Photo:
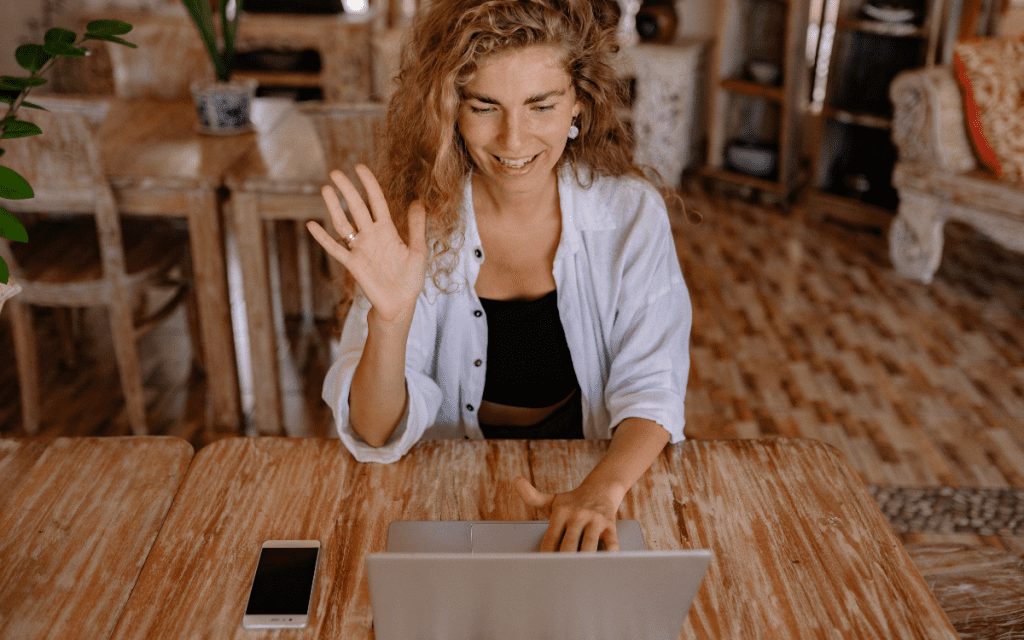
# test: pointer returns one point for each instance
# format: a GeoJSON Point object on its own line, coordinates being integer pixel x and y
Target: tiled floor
{"type": "Point", "coordinates": [801, 328]}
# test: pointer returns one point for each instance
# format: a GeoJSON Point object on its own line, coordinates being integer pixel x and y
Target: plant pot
{"type": "Point", "coordinates": [224, 108]}
{"type": "Point", "coordinates": [8, 291]}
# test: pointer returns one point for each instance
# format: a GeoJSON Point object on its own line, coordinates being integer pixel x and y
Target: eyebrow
{"type": "Point", "coordinates": [540, 97]}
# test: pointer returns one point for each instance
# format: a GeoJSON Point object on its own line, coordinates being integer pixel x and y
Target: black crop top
{"type": "Point", "coordinates": [528, 360]}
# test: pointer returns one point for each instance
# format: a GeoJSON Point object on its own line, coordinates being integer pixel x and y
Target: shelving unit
{"type": "Point", "coordinates": [764, 114]}
{"type": "Point", "coordinates": [853, 152]}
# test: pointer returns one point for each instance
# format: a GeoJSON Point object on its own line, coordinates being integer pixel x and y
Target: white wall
{"type": "Point", "coordinates": [696, 18]}
{"type": "Point", "coordinates": [31, 18]}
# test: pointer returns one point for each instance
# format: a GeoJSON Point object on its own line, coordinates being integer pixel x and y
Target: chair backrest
{"type": "Point", "coordinates": [348, 133]}
{"type": "Point", "coordinates": [65, 168]}
{"type": "Point", "coordinates": [169, 58]}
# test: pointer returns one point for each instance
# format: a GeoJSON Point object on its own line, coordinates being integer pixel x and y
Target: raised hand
{"type": "Point", "coordinates": [389, 271]}
{"type": "Point", "coordinates": [579, 519]}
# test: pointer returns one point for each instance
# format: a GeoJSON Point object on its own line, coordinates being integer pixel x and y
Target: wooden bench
{"type": "Point", "coordinates": [938, 177]}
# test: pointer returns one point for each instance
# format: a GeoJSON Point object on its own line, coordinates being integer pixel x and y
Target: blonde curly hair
{"type": "Point", "coordinates": [423, 155]}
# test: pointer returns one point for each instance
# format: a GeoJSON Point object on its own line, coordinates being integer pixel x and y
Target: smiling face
{"type": "Point", "coordinates": [515, 116]}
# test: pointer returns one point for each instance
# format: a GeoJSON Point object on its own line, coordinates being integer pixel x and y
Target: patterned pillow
{"type": "Point", "coordinates": [991, 76]}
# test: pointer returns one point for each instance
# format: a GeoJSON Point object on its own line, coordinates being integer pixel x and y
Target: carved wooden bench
{"type": "Point", "coordinates": [938, 177]}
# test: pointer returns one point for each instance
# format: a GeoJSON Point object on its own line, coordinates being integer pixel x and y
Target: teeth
{"type": "Point", "coordinates": [515, 164]}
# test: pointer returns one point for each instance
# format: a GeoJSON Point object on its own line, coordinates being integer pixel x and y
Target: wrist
{"type": "Point", "coordinates": [393, 326]}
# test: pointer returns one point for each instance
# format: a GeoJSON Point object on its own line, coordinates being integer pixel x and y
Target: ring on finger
{"type": "Point", "coordinates": [349, 238]}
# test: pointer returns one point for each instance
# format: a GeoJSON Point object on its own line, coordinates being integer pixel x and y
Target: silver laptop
{"type": "Point", "coordinates": [486, 580]}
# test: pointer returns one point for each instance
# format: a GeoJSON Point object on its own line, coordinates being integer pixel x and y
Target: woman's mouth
{"type": "Point", "coordinates": [515, 163]}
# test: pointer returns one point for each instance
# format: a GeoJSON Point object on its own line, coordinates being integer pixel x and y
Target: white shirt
{"type": "Point", "coordinates": [623, 304]}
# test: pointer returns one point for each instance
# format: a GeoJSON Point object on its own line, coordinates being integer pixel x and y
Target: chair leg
{"type": "Point", "coordinates": [26, 353]}
{"type": "Point", "coordinates": [66, 334]}
{"type": "Point", "coordinates": [126, 351]}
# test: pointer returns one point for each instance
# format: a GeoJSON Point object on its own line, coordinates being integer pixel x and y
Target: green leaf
{"type": "Point", "coordinates": [13, 186]}
{"type": "Point", "coordinates": [19, 129]}
{"type": "Point", "coordinates": [63, 49]}
{"type": "Point", "coordinates": [108, 28]}
{"type": "Point", "coordinates": [31, 57]}
{"type": "Point", "coordinates": [10, 98]}
{"type": "Point", "coordinates": [12, 83]}
{"type": "Point", "coordinates": [5, 274]}
{"type": "Point", "coordinates": [202, 16]}
{"type": "Point", "coordinates": [59, 36]}
{"type": "Point", "coordinates": [11, 228]}
{"type": "Point", "coordinates": [97, 36]}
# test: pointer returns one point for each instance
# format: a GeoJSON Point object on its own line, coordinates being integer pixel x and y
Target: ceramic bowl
{"type": "Point", "coordinates": [752, 158]}
{"type": "Point", "coordinates": [888, 13]}
{"type": "Point", "coordinates": [763, 71]}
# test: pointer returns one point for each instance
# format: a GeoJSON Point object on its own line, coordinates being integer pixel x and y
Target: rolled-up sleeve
{"type": "Point", "coordinates": [649, 345]}
{"type": "Point", "coordinates": [423, 392]}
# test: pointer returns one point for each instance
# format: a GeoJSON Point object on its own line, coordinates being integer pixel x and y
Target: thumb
{"type": "Point", "coordinates": [417, 227]}
{"type": "Point", "coordinates": [531, 495]}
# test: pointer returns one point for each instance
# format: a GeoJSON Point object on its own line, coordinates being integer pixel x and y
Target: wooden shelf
{"type": "Point", "coordinates": [755, 89]}
{"type": "Point", "coordinates": [298, 79]}
{"type": "Point", "coordinates": [890, 29]}
{"type": "Point", "coordinates": [849, 210]}
{"type": "Point", "coordinates": [858, 118]}
{"type": "Point", "coordinates": [737, 177]}
{"type": "Point", "coordinates": [739, 108]}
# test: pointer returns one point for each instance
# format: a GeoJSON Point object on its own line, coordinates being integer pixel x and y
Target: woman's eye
{"type": "Point", "coordinates": [544, 107]}
{"type": "Point", "coordinates": [473, 109]}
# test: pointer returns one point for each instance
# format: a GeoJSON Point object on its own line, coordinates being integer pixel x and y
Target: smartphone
{"type": "Point", "coordinates": [282, 587]}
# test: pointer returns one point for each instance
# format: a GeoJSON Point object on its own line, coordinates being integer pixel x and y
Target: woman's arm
{"type": "Point", "coordinates": [582, 517]}
{"type": "Point", "coordinates": [378, 397]}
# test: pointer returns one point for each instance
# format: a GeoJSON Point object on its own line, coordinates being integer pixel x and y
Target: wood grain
{"type": "Point", "coordinates": [800, 548]}
{"type": "Point", "coordinates": [78, 517]}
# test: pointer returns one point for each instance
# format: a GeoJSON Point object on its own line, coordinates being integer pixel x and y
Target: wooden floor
{"type": "Point", "coordinates": [801, 328]}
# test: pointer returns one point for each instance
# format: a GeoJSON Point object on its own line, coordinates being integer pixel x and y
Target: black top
{"type": "Point", "coordinates": [528, 360]}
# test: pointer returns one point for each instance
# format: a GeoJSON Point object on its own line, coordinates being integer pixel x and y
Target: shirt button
{"type": "Point", "coordinates": [477, 363]}
{"type": "Point", "coordinates": [469, 407]}
{"type": "Point", "coordinates": [478, 313]}
{"type": "Point", "coordinates": [478, 253]}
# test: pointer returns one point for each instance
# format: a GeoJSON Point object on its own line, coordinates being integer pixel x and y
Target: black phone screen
{"type": "Point", "coordinates": [283, 582]}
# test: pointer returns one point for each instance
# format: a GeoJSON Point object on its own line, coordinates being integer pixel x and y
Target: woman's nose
{"type": "Point", "coordinates": [511, 131]}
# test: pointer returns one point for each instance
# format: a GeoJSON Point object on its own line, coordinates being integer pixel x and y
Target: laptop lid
{"type": "Point", "coordinates": [453, 594]}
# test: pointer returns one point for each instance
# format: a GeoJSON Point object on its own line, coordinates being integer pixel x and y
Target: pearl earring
{"type": "Point", "coordinates": [574, 131]}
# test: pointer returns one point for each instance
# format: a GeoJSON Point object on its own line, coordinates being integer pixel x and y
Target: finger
{"type": "Point", "coordinates": [418, 228]}
{"type": "Point", "coordinates": [571, 537]}
{"type": "Point", "coordinates": [610, 537]}
{"type": "Point", "coordinates": [553, 535]}
{"type": "Point", "coordinates": [338, 217]}
{"type": "Point", "coordinates": [356, 206]}
{"type": "Point", "coordinates": [324, 239]}
{"type": "Point", "coordinates": [530, 494]}
{"type": "Point", "coordinates": [374, 194]}
{"type": "Point", "coordinates": [591, 537]}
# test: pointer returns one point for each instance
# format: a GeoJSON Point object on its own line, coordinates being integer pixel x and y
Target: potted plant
{"type": "Point", "coordinates": [36, 59]}
{"type": "Point", "coordinates": [223, 105]}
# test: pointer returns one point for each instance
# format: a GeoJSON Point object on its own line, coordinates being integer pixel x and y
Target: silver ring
{"type": "Point", "coordinates": [349, 238]}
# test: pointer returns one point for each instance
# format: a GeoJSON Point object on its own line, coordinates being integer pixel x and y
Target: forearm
{"type": "Point", "coordinates": [378, 398]}
{"type": "Point", "coordinates": [635, 445]}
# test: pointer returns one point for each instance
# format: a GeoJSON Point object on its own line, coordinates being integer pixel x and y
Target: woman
{"type": "Point", "coordinates": [549, 300]}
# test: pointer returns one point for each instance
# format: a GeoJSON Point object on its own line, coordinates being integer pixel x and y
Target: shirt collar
{"type": "Point", "coordinates": [568, 197]}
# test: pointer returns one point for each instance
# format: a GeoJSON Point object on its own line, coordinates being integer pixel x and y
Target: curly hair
{"type": "Point", "coordinates": [423, 155]}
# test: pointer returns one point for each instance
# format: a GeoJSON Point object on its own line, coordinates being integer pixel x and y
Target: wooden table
{"type": "Point", "coordinates": [800, 549]}
{"type": "Point", "coordinates": [279, 179]}
{"type": "Point", "coordinates": [78, 517]}
{"type": "Point", "coordinates": [158, 164]}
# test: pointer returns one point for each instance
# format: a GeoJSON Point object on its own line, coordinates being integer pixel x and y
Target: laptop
{"type": "Point", "coordinates": [459, 580]}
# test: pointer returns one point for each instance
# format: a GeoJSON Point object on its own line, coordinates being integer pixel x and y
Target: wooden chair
{"type": "Point", "coordinates": [169, 58]}
{"type": "Point", "coordinates": [85, 261]}
{"type": "Point", "coordinates": [349, 134]}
